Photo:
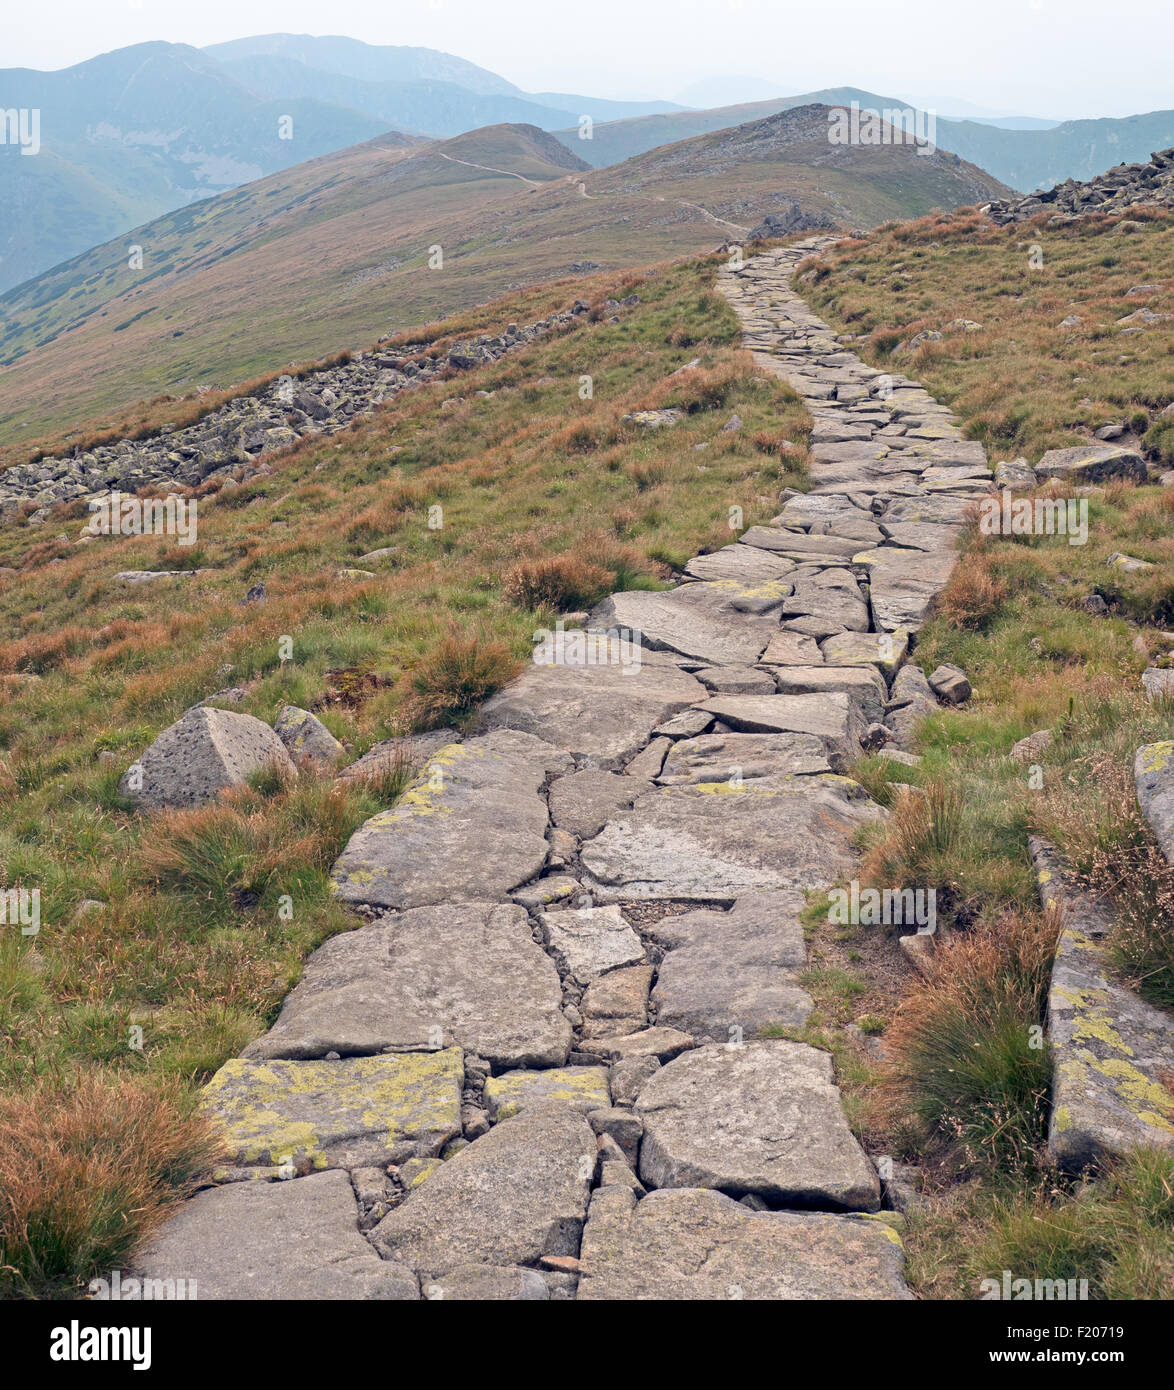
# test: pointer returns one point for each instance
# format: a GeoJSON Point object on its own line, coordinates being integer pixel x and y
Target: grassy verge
{"type": "Point", "coordinates": [168, 941]}
{"type": "Point", "coordinates": [959, 1082]}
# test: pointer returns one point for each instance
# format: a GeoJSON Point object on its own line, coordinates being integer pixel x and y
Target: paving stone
{"type": "Point", "coordinates": [714, 843]}
{"type": "Point", "coordinates": [589, 941]}
{"type": "Point", "coordinates": [843, 609]}
{"type": "Point", "coordinates": [346, 1113]}
{"type": "Point", "coordinates": [647, 763]}
{"type": "Point", "coordinates": [687, 1244]}
{"type": "Point", "coordinates": [933, 537]}
{"type": "Point", "coordinates": [884, 650]}
{"type": "Point", "coordinates": [728, 975]}
{"type": "Point", "coordinates": [715, 758]}
{"type": "Point", "coordinates": [903, 584]}
{"type": "Point", "coordinates": [581, 1088]}
{"type": "Point", "coordinates": [583, 802]}
{"type": "Point", "coordinates": [661, 1043]}
{"type": "Point", "coordinates": [736, 680]}
{"type": "Point", "coordinates": [798, 545]}
{"type": "Point", "coordinates": [832, 718]}
{"type": "Point", "coordinates": [274, 1241]}
{"type": "Point", "coordinates": [604, 711]}
{"type": "Point", "coordinates": [761, 1118]}
{"type": "Point", "coordinates": [487, 793]}
{"type": "Point", "coordinates": [949, 683]}
{"type": "Point", "coordinates": [791, 649]}
{"type": "Point", "coordinates": [515, 1194]}
{"type": "Point", "coordinates": [469, 973]}
{"type": "Point", "coordinates": [742, 563]}
{"type": "Point", "coordinates": [864, 685]}
{"type": "Point", "coordinates": [680, 622]}
{"type": "Point", "coordinates": [620, 994]}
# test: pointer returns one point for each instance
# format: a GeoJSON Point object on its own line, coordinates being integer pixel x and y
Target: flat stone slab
{"type": "Point", "coordinates": [469, 973]}
{"type": "Point", "coordinates": [196, 758]}
{"type": "Point", "coordinates": [358, 1112]}
{"type": "Point", "coordinates": [884, 650]}
{"type": "Point", "coordinates": [1153, 772]}
{"type": "Point", "coordinates": [687, 1244]}
{"type": "Point", "coordinates": [761, 1118]}
{"type": "Point", "coordinates": [797, 545]}
{"type": "Point", "coordinates": [728, 975]}
{"type": "Point", "coordinates": [680, 621]}
{"type": "Point", "coordinates": [832, 718]}
{"type": "Point", "coordinates": [514, 1195]}
{"type": "Point", "coordinates": [581, 1088]}
{"type": "Point", "coordinates": [904, 583]}
{"type": "Point", "coordinates": [791, 649]}
{"type": "Point", "coordinates": [932, 537]}
{"type": "Point", "coordinates": [484, 793]}
{"type": "Point", "coordinates": [488, 1284]}
{"type": "Point", "coordinates": [618, 1001]}
{"type": "Point", "coordinates": [274, 1241]}
{"type": "Point", "coordinates": [714, 758]}
{"type": "Point", "coordinates": [839, 607]}
{"type": "Point", "coordinates": [603, 709]}
{"type": "Point", "coordinates": [583, 802]}
{"type": "Point", "coordinates": [742, 563]}
{"type": "Point", "coordinates": [864, 685]}
{"type": "Point", "coordinates": [1111, 1090]}
{"type": "Point", "coordinates": [714, 843]}
{"type": "Point", "coordinates": [937, 507]}
{"type": "Point", "coordinates": [589, 941]}
{"type": "Point", "coordinates": [1092, 463]}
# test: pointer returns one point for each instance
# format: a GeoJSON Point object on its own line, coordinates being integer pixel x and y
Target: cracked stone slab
{"type": "Point", "coordinates": [589, 941]}
{"type": "Point", "coordinates": [489, 1284]}
{"type": "Point", "coordinates": [884, 650]}
{"type": "Point", "coordinates": [695, 620]}
{"type": "Point", "coordinates": [832, 717]}
{"type": "Point", "coordinates": [1111, 1089]}
{"type": "Point", "coordinates": [729, 757]}
{"type": "Point", "coordinates": [690, 1244]}
{"type": "Point", "coordinates": [274, 1241]}
{"type": "Point", "coordinates": [863, 685]}
{"type": "Point", "coordinates": [357, 1112]}
{"type": "Point", "coordinates": [484, 793]}
{"type": "Point", "coordinates": [798, 545]}
{"type": "Point", "coordinates": [791, 649]}
{"type": "Point", "coordinates": [512, 1196]}
{"type": "Point", "coordinates": [741, 563]}
{"type": "Point", "coordinates": [904, 583]}
{"type": "Point", "coordinates": [469, 973]}
{"type": "Point", "coordinates": [714, 843]}
{"type": "Point", "coordinates": [604, 710]}
{"type": "Point", "coordinates": [840, 607]}
{"type": "Point", "coordinates": [728, 975]}
{"type": "Point", "coordinates": [580, 1088]}
{"type": "Point", "coordinates": [583, 802]}
{"type": "Point", "coordinates": [760, 1118]}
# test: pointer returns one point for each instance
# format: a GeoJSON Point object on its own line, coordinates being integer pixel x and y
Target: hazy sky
{"type": "Point", "coordinates": [1060, 58]}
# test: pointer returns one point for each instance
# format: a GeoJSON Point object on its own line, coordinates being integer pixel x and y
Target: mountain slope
{"type": "Point", "coordinates": [134, 133]}
{"type": "Point", "coordinates": [1028, 158]}
{"type": "Point", "coordinates": [336, 252]}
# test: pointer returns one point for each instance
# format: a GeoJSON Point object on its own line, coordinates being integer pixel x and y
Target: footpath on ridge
{"type": "Point", "coordinates": [560, 1027]}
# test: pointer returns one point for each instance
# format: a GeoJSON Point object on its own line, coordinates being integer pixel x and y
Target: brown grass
{"type": "Point", "coordinates": [90, 1168]}
{"type": "Point", "coordinates": [451, 680]}
{"type": "Point", "coordinates": [558, 582]}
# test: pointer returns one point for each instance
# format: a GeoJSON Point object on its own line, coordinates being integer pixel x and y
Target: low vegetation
{"type": "Point", "coordinates": [498, 509]}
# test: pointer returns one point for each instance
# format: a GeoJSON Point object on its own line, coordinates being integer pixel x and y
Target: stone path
{"type": "Point", "coordinates": [561, 1031]}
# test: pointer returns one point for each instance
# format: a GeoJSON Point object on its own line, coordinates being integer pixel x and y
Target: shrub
{"type": "Point", "coordinates": [90, 1168]}
{"type": "Point", "coordinates": [454, 678]}
{"type": "Point", "coordinates": [559, 582]}
{"type": "Point", "coordinates": [960, 1055]}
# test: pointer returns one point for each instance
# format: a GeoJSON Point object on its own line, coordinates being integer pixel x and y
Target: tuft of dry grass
{"type": "Point", "coordinates": [962, 1059]}
{"type": "Point", "coordinates": [451, 680]}
{"type": "Point", "coordinates": [557, 582]}
{"type": "Point", "coordinates": [90, 1168]}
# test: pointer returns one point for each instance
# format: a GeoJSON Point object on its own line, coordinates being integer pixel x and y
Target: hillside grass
{"type": "Point", "coordinates": [1022, 383]}
{"type": "Point", "coordinates": [959, 1085]}
{"type": "Point", "coordinates": [547, 499]}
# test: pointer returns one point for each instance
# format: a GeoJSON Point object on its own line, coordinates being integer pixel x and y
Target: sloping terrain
{"type": "Point", "coordinates": [1021, 158]}
{"type": "Point", "coordinates": [336, 252]}
{"type": "Point", "coordinates": [134, 133]}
